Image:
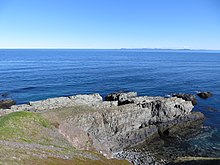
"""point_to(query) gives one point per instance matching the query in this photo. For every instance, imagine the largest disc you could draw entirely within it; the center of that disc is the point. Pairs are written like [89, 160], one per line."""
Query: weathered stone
[108, 104]
[126, 98]
[181, 125]
[92, 99]
[126, 125]
[5, 104]
[138, 157]
[205, 95]
[122, 96]
[187, 97]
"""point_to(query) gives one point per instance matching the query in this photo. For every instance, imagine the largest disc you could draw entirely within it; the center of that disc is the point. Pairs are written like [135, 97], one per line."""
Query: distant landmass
[171, 50]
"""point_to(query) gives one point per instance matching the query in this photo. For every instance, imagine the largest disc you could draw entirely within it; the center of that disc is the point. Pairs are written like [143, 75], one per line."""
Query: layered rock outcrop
[54, 103]
[114, 128]
[122, 121]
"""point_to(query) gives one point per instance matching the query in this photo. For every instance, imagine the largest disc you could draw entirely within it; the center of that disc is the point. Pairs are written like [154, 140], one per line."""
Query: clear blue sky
[110, 24]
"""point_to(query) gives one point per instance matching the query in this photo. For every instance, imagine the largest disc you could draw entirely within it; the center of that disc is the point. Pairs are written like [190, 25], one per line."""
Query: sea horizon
[110, 82]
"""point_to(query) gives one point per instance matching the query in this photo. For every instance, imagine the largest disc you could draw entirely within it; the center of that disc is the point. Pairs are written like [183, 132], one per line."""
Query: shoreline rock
[186, 97]
[111, 126]
[121, 97]
[205, 95]
[6, 104]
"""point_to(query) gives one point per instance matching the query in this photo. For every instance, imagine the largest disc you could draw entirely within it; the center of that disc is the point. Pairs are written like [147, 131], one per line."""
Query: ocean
[30, 75]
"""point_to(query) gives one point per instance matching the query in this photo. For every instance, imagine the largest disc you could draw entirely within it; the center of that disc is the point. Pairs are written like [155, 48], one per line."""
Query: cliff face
[88, 122]
[118, 127]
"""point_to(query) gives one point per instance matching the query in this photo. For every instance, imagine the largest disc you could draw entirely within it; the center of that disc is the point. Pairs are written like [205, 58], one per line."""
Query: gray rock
[137, 157]
[94, 100]
[120, 96]
[126, 98]
[121, 126]
[108, 104]
[205, 95]
[187, 97]
[6, 104]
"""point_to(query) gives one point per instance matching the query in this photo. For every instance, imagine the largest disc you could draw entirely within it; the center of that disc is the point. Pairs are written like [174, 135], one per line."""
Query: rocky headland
[119, 122]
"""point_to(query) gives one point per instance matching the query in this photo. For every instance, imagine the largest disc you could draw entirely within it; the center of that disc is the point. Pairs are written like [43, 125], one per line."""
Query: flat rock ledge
[124, 121]
[93, 100]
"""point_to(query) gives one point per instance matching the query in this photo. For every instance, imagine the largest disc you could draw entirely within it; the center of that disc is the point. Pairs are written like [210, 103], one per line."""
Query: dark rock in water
[186, 97]
[122, 97]
[4, 95]
[205, 95]
[212, 109]
[6, 104]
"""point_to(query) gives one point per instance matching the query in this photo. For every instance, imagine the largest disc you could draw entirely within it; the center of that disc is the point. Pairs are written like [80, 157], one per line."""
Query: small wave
[216, 148]
[28, 88]
[23, 89]
[168, 96]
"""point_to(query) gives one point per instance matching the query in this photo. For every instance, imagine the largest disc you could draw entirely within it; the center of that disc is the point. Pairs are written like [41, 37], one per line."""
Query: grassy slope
[59, 115]
[28, 138]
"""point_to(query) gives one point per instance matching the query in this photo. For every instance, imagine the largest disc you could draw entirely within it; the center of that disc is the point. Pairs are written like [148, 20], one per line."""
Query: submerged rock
[4, 95]
[187, 97]
[205, 95]
[6, 104]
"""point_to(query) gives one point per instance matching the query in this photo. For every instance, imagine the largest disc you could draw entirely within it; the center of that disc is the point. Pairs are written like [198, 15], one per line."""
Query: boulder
[121, 97]
[6, 104]
[186, 97]
[205, 95]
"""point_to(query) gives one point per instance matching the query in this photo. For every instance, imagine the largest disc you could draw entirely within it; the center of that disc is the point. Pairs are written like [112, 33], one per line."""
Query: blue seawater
[29, 75]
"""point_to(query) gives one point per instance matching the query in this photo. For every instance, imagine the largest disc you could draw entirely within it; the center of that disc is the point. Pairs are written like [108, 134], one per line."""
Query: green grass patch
[34, 128]
[22, 126]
